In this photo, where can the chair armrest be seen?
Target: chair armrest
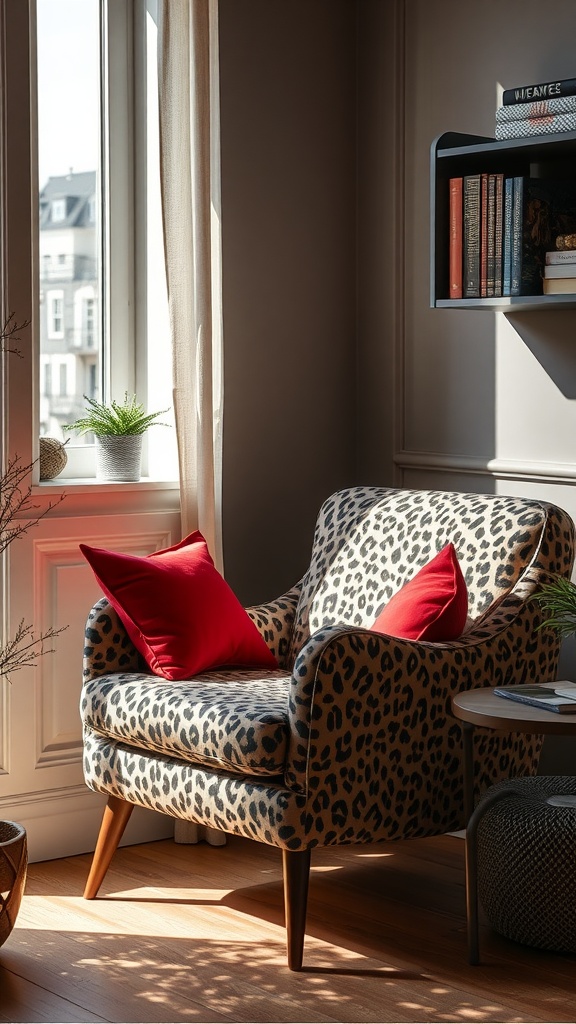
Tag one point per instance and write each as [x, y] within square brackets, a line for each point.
[370, 718]
[275, 622]
[107, 646]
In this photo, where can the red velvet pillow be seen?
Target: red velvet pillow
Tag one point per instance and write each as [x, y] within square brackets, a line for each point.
[178, 610]
[433, 605]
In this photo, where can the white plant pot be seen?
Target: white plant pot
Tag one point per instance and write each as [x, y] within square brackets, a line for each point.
[118, 456]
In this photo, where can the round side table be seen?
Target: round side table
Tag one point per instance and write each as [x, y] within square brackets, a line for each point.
[483, 707]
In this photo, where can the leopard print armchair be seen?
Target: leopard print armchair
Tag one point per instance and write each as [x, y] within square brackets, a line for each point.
[351, 739]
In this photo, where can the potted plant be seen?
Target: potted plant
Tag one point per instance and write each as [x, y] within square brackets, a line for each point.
[118, 429]
[18, 514]
[558, 602]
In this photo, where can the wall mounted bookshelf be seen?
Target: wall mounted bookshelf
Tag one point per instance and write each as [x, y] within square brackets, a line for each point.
[454, 154]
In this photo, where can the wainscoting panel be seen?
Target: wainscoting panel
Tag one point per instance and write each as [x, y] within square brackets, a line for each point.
[53, 586]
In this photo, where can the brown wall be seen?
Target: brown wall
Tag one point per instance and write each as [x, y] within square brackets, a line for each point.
[288, 137]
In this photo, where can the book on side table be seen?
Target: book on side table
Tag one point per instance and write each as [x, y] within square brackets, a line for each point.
[559, 696]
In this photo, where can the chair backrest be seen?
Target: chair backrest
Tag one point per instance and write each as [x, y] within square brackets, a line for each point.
[369, 541]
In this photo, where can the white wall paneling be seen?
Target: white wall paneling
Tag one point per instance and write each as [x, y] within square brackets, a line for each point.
[53, 585]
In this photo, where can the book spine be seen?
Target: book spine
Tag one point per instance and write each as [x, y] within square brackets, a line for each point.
[537, 108]
[471, 235]
[455, 254]
[498, 234]
[550, 125]
[542, 91]
[560, 270]
[559, 286]
[561, 256]
[483, 235]
[491, 236]
[516, 247]
[507, 240]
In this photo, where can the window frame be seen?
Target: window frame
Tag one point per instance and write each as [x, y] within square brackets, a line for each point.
[125, 353]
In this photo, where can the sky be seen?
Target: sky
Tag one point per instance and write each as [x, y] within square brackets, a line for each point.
[68, 94]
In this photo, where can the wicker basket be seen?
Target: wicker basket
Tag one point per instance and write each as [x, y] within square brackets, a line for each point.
[13, 866]
[53, 457]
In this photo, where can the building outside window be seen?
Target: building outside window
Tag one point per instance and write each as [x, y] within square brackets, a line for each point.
[98, 187]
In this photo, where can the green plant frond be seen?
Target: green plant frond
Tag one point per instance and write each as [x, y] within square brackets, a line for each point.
[558, 602]
[128, 417]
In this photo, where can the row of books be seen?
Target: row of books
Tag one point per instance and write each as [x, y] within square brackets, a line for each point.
[500, 229]
[543, 109]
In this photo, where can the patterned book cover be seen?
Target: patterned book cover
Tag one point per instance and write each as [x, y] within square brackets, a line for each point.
[537, 108]
[542, 91]
[455, 261]
[483, 235]
[507, 239]
[471, 245]
[549, 125]
[542, 208]
[491, 236]
[498, 234]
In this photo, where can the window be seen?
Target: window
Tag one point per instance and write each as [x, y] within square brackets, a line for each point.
[58, 210]
[89, 333]
[91, 381]
[98, 194]
[55, 326]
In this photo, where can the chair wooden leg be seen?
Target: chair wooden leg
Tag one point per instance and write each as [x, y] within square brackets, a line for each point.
[116, 815]
[296, 869]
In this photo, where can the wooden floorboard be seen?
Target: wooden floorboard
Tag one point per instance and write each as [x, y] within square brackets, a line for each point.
[195, 933]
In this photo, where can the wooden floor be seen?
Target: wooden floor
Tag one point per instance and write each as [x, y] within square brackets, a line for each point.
[194, 933]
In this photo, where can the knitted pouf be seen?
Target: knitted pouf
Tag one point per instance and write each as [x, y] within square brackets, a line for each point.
[527, 862]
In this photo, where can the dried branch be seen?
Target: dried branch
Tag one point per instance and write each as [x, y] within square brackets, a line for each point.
[24, 649]
[18, 514]
[17, 507]
[9, 333]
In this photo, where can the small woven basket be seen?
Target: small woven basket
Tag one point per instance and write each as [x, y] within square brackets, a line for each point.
[53, 457]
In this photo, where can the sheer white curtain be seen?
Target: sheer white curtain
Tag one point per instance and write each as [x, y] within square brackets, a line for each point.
[190, 186]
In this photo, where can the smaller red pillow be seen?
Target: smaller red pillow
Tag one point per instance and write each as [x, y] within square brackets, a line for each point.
[178, 610]
[433, 605]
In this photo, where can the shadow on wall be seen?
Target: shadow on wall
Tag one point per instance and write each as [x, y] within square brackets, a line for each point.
[553, 348]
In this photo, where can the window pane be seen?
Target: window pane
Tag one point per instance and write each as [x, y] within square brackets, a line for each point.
[68, 42]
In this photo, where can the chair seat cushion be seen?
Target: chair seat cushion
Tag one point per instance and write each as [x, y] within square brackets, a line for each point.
[235, 720]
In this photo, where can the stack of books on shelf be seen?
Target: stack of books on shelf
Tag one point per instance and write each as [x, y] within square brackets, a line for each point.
[560, 267]
[500, 229]
[544, 109]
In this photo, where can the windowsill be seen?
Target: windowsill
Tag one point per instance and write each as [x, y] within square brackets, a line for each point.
[79, 484]
[78, 497]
